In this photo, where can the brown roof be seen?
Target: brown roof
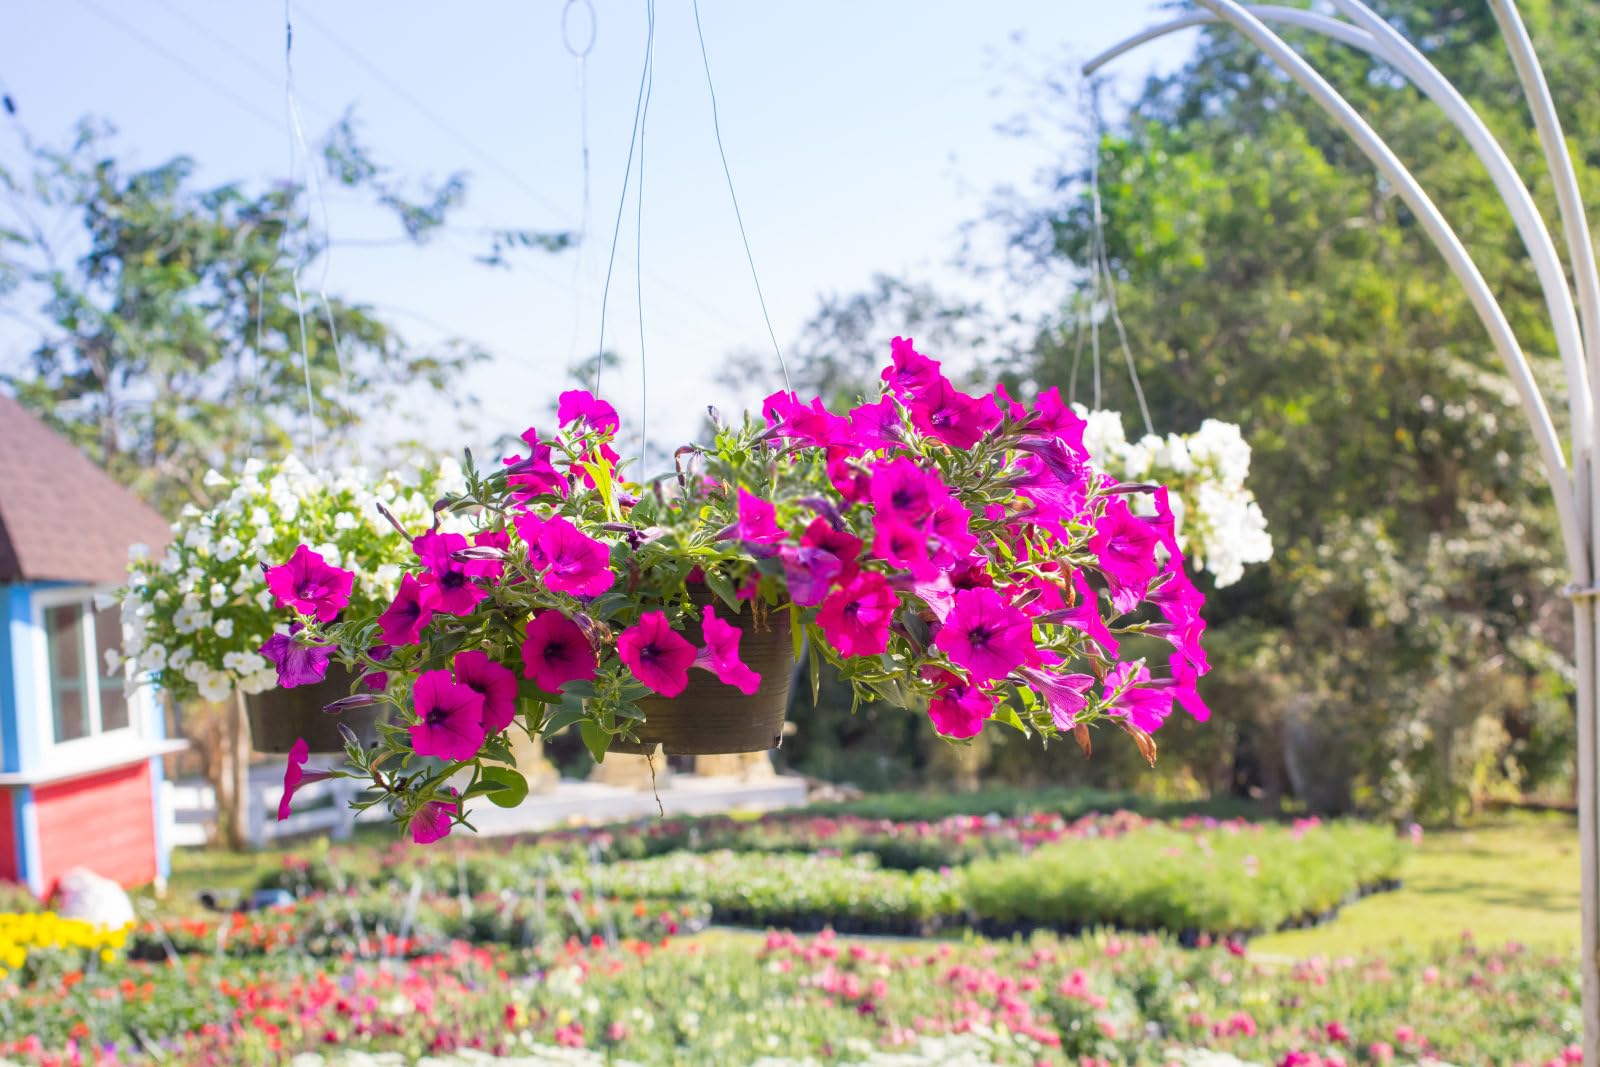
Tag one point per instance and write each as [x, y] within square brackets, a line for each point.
[61, 517]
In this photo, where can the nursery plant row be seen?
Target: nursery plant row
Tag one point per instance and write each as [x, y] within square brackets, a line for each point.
[788, 1000]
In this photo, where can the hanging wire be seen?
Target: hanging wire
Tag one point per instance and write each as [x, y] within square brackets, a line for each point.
[1102, 270]
[292, 116]
[638, 244]
[320, 197]
[716, 125]
[622, 201]
[581, 55]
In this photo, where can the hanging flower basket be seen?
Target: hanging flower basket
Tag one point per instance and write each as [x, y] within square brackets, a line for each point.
[954, 554]
[711, 717]
[280, 717]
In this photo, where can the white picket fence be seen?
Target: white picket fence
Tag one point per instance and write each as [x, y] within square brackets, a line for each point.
[319, 807]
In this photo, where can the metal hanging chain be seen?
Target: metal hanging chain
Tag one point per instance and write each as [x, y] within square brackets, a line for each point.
[1102, 269]
[716, 125]
[622, 200]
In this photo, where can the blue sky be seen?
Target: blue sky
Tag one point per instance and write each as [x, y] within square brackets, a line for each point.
[860, 137]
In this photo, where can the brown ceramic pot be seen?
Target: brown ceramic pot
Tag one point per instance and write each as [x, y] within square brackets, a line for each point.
[710, 718]
[279, 717]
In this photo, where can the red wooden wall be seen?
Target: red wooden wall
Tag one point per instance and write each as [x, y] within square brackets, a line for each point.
[10, 867]
[102, 822]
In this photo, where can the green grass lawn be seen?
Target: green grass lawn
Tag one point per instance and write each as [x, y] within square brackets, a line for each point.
[1512, 879]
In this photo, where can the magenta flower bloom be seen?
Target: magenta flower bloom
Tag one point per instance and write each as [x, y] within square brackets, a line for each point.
[1185, 688]
[986, 635]
[909, 374]
[904, 492]
[433, 820]
[295, 776]
[403, 620]
[1084, 615]
[949, 535]
[808, 424]
[449, 585]
[959, 708]
[298, 663]
[378, 680]
[529, 526]
[855, 618]
[449, 717]
[951, 416]
[843, 545]
[847, 477]
[556, 652]
[578, 564]
[536, 475]
[904, 546]
[1064, 694]
[721, 654]
[580, 405]
[1125, 546]
[1054, 419]
[1142, 702]
[494, 682]
[875, 426]
[658, 655]
[310, 586]
[758, 520]
[808, 572]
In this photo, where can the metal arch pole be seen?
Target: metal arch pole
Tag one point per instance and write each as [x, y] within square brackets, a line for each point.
[1379, 39]
[1586, 611]
[1444, 239]
[1578, 529]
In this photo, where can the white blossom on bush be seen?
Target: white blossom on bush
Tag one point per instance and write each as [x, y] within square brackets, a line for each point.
[1219, 523]
[195, 616]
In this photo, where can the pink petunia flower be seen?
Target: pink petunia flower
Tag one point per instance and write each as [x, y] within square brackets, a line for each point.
[855, 618]
[910, 373]
[1084, 615]
[580, 405]
[1180, 602]
[449, 585]
[494, 682]
[295, 776]
[904, 492]
[534, 475]
[876, 426]
[807, 424]
[658, 655]
[1144, 704]
[556, 652]
[848, 478]
[298, 663]
[986, 635]
[949, 415]
[904, 546]
[758, 520]
[434, 820]
[841, 544]
[449, 717]
[721, 654]
[310, 586]
[403, 620]
[808, 572]
[1064, 694]
[1125, 546]
[960, 707]
[578, 564]
[529, 526]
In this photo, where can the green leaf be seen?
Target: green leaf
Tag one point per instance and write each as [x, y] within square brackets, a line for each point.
[507, 787]
[528, 689]
[596, 739]
[1005, 713]
[560, 719]
[721, 586]
[797, 630]
[816, 674]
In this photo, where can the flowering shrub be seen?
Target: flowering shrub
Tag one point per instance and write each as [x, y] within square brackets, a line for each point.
[941, 550]
[198, 617]
[1216, 519]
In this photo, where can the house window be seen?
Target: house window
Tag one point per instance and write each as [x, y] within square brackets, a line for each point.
[87, 699]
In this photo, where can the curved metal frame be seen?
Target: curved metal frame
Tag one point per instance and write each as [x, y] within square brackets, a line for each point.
[1576, 326]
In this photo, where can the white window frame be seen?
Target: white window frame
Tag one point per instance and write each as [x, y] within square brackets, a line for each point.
[97, 742]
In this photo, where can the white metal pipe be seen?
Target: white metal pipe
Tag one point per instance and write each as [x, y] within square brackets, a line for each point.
[1402, 54]
[1443, 237]
[1373, 35]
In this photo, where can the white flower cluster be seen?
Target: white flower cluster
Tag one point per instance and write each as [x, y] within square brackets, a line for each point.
[1219, 523]
[195, 617]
